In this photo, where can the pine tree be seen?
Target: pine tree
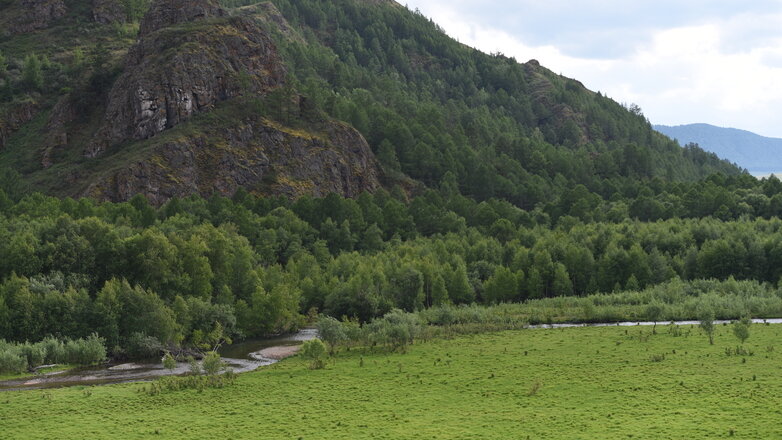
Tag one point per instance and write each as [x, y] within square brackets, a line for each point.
[32, 73]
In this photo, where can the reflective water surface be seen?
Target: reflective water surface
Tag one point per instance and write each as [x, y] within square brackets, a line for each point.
[241, 358]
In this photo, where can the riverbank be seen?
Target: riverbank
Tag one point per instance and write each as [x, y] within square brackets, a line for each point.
[46, 370]
[646, 323]
[251, 355]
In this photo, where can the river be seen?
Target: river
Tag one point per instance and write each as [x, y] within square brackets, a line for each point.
[637, 323]
[241, 358]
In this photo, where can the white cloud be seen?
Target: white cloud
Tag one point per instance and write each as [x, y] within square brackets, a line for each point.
[727, 71]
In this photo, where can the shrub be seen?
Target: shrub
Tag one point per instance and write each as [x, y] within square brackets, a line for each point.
[706, 317]
[141, 346]
[212, 363]
[353, 331]
[442, 315]
[169, 363]
[741, 329]
[88, 351]
[315, 351]
[195, 367]
[12, 362]
[403, 328]
[174, 383]
[34, 353]
[332, 331]
[534, 388]
[55, 350]
[657, 357]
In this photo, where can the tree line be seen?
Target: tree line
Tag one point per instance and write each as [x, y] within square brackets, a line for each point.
[199, 271]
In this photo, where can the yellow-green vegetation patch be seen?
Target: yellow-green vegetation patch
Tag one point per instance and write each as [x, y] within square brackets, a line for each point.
[295, 132]
[577, 383]
[300, 186]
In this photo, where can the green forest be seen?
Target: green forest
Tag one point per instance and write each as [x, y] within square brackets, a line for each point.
[200, 271]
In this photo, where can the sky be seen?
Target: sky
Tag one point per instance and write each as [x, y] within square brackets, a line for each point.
[681, 61]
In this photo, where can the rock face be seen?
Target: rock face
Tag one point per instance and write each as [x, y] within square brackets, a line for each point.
[36, 14]
[16, 116]
[108, 11]
[185, 62]
[269, 13]
[255, 154]
[60, 115]
[171, 12]
[191, 58]
[558, 113]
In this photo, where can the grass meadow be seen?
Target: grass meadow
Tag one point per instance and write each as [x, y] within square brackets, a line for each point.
[576, 383]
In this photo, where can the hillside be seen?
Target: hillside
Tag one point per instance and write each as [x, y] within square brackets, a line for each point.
[758, 154]
[110, 101]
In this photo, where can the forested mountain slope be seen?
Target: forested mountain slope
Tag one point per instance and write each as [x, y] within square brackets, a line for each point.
[249, 95]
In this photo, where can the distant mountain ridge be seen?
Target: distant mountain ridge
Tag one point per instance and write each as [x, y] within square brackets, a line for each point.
[758, 154]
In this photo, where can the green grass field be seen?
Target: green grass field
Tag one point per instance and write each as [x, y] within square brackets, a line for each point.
[593, 383]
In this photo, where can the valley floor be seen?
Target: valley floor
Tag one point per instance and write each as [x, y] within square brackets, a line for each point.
[559, 383]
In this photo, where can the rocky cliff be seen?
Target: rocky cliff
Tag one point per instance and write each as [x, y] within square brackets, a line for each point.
[13, 117]
[108, 11]
[554, 112]
[269, 14]
[31, 15]
[256, 154]
[191, 59]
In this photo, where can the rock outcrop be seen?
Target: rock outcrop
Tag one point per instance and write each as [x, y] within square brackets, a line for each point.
[63, 113]
[256, 154]
[542, 91]
[189, 58]
[33, 15]
[272, 16]
[172, 12]
[14, 117]
[108, 11]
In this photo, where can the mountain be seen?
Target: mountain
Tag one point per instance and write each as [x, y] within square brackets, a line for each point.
[111, 98]
[756, 153]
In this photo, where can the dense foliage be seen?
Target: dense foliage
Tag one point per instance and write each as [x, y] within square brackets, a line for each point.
[19, 358]
[431, 107]
[200, 271]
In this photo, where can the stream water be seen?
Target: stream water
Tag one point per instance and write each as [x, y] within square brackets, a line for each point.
[636, 323]
[241, 358]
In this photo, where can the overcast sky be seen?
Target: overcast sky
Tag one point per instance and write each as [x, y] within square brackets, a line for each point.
[682, 61]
